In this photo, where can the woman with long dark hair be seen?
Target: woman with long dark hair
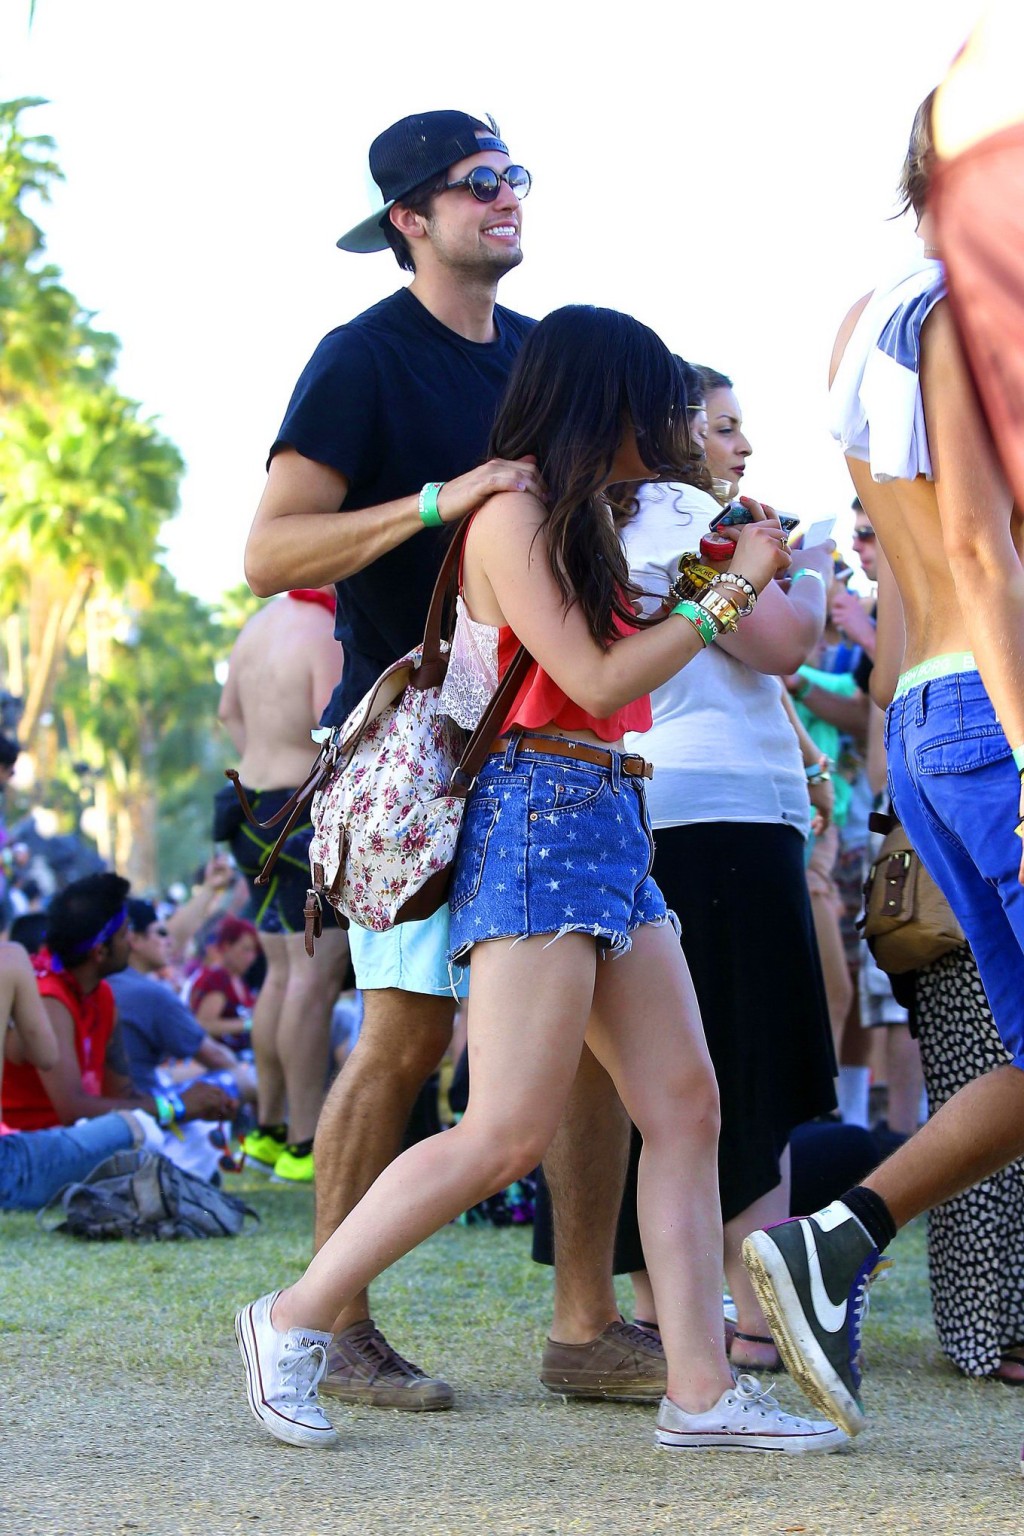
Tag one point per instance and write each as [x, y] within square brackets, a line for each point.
[551, 880]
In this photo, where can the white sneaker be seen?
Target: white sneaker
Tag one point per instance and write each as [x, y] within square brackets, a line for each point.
[746, 1418]
[282, 1373]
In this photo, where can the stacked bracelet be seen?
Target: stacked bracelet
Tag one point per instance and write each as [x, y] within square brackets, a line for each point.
[721, 608]
[694, 578]
[169, 1107]
[430, 517]
[703, 622]
[741, 584]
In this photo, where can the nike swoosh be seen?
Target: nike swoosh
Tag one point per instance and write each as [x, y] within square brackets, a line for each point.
[830, 1315]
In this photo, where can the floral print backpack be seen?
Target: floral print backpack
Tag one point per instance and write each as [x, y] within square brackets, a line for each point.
[389, 788]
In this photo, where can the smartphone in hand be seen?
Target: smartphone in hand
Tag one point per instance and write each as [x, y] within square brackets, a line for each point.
[735, 515]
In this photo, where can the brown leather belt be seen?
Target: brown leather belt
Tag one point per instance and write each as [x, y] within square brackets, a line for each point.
[630, 763]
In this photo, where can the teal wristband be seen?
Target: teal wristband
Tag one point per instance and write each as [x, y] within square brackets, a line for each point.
[1018, 759]
[164, 1112]
[430, 517]
[702, 622]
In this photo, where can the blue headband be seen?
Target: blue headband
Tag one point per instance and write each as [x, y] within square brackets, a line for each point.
[115, 924]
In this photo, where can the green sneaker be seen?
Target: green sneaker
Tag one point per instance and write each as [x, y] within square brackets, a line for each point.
[290, 1169]
[262, 1150]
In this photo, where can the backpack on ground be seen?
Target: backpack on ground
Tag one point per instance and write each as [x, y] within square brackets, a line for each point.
[143, 1194]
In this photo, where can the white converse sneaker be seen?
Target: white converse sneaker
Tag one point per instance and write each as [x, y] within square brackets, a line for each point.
[282, 1373]
[746, 1418]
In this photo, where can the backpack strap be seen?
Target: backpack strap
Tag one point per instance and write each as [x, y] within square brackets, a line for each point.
[479, 744]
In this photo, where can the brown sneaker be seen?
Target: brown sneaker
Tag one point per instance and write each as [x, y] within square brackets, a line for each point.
[363, 1368]
[623, 1364]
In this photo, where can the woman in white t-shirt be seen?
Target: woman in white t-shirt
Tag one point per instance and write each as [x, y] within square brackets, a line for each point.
[730, 812]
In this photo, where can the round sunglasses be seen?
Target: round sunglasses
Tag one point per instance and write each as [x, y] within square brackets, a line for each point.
[485, 184]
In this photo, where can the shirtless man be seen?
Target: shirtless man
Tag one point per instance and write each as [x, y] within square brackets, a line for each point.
[282, 672]
[953, 542]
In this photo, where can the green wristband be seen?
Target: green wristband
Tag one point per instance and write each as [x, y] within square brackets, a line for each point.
[702, 622]
[802, 689]
[430, 517]
[1018, 759]
[164, 1112]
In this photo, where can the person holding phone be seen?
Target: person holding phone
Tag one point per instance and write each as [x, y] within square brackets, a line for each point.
[552, 907]
[730, 799]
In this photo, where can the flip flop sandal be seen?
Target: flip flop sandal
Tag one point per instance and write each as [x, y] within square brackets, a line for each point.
[1010, 1357]
[777, 1369]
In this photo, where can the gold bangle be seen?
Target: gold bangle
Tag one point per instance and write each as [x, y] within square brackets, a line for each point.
[721, 608]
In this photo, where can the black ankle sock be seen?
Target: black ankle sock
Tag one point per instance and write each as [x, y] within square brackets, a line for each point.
[275, 1132]
[872, 1213]
[300, 1148]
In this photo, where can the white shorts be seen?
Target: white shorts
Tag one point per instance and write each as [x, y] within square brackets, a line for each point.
[412, 957]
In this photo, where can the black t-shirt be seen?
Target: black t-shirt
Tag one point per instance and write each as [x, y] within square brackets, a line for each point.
[391, 400]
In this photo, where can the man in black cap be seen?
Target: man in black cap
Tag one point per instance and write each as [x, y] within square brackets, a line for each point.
[389, 424]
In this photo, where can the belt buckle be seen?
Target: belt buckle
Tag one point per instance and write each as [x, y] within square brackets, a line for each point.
[636, 764]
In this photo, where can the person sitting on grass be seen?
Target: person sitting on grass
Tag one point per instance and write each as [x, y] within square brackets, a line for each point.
[155, 1024]
[34, 1165]
[87, 1077]
[219, 996]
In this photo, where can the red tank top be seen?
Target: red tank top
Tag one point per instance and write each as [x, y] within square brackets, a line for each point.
[26, 1103]
[541, 702]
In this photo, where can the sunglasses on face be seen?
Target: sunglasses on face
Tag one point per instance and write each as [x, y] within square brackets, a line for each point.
[864, 535]
[485, 184]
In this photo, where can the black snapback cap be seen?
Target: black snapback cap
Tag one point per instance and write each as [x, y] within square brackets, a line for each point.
[411, 151]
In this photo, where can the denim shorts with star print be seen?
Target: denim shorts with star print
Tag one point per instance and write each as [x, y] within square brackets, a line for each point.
[553, 846]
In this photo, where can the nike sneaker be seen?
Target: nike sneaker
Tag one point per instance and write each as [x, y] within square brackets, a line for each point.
[811, 1277]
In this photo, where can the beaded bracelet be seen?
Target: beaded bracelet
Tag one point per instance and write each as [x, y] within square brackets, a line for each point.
[702, 621]
[430, 517]
[729, 579]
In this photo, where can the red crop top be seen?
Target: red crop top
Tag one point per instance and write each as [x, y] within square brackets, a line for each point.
[541, 702]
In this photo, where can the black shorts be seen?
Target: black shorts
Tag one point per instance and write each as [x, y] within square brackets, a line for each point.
[278, 906]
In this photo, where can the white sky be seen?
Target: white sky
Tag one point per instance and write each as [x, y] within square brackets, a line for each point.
[725, 172]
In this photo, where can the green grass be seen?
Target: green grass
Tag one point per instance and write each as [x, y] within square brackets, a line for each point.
[124, 1411]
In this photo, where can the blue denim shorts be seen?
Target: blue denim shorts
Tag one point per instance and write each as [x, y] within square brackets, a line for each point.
[553, 846]
[955, 789]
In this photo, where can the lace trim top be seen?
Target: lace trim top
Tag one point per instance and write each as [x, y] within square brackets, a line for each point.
[472, 675]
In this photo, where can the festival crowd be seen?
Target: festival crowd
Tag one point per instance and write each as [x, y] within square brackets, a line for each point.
[661, 1032]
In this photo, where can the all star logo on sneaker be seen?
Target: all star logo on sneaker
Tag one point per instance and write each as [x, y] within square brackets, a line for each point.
[310, 1340]
[832, 1216]
[831, 1315]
